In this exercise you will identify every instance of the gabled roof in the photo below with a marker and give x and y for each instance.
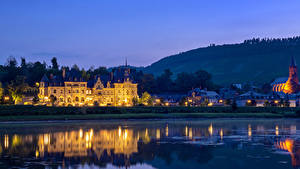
(45, 78)
(280, 80)
(199, 92)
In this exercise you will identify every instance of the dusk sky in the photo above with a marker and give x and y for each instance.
(104, 32)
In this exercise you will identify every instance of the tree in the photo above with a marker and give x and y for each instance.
(54, 63)
(1, 92)
(147, 84)
(17, 89)
(146, 99)
(135, 101)
(203, 79)
(164, 82)
(52, 99)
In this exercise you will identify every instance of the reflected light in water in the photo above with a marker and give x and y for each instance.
(6, 141)
(167, 131)
(249, 131)
(276, 131)
(190, 133)
(80, 133)
(293, 129)
(157, 134)
(210, 129)
(221, 133)
(186, 131)
(120, 131)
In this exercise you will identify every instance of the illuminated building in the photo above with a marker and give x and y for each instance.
(70, 89)
(288, 85)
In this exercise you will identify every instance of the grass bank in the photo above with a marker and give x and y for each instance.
(29, 113)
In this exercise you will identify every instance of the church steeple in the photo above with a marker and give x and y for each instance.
(293, 62)
(126, 62)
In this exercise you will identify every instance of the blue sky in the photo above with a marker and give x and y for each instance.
(104, 32)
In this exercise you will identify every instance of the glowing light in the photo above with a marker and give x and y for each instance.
(249, 130)
(210, 130)
(125, 134)
(80, 133)
(167, 104)
(186, 103)
(186, 130)
(190, 100)
(210, 104)
(190, 133)
(120, 131)
(6, 98)
(157, 134)
(221, 133)
(248, 101)
(167, 131)
(276, 131)
(6, 141)
(220, 101)
(276, 101)
(91, 133)
(46, 139)
(157, 100)
(87, 136)
(37, 153)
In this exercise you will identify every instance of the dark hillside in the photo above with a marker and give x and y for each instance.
(258, 60)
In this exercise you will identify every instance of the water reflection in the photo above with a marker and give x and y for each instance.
(206, 144)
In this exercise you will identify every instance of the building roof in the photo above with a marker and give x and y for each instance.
(199, 92)
(45, 78)
(280, 80)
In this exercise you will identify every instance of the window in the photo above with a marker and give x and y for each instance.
(69, 99)
(54, 91)
(82, 91)
(76, 99)
(61, 91)
(61, 99)
(77, 91)
(69, 91)
(82, 99)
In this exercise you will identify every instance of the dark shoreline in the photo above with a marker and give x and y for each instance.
(44, 113)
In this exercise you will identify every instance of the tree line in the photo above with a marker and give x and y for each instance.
(19, 80)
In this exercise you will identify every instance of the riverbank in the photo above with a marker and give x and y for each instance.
(143, 116)
(43, 113)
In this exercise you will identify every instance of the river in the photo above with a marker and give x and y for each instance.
(148, 144)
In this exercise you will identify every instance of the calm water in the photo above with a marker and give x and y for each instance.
(229, 143)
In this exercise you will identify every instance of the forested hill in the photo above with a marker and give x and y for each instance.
(257, 60)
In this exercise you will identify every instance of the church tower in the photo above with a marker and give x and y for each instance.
(292, 84)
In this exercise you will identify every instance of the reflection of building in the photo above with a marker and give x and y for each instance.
(290, 146)
(78, 143)
(116, 89)
(288, 85)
